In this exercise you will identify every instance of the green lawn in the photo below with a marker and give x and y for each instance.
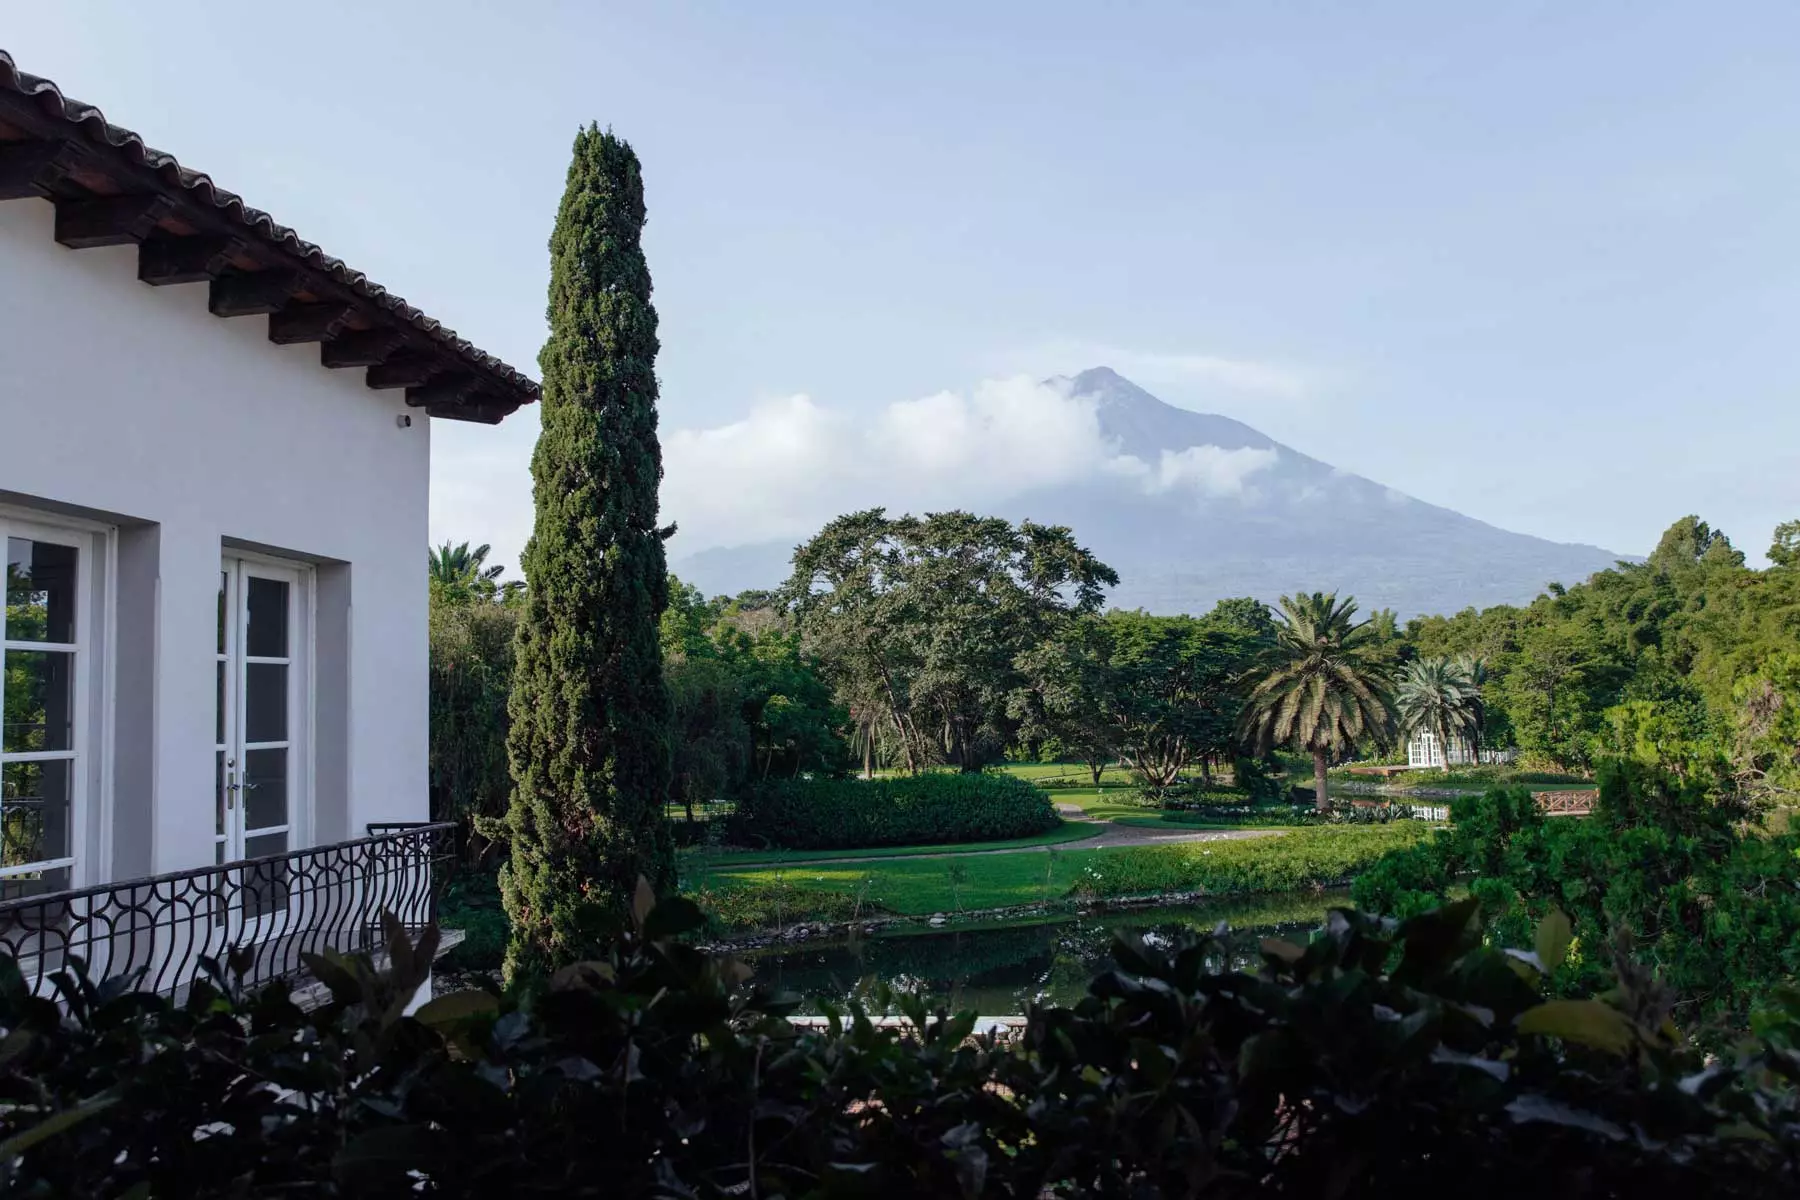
(1107, 805)
(920, 887)
(701, 857)
(1054, 777)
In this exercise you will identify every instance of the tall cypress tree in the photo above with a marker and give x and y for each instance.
(590, 760)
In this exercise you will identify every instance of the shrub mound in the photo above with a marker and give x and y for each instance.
(848, 814)
(1380, 1060)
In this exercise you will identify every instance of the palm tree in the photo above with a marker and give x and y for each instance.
(462, 569)
(1322, 694)
(1474, 670)
(1435, 696)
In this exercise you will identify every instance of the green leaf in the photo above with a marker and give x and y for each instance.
(1532, 1107)
(1586, 1021)
(586, 976)
(673, 915)
(1553, 937)
(642, 902)
(1282, 951)
(456, 1006)
(389, 1150)
(331, 971)
(52, 1125)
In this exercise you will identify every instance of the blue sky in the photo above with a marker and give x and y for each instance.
(1536, 262)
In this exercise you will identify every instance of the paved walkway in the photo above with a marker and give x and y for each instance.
(1106, 836)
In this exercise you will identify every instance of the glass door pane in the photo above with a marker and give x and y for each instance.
(42, 627)
(256, 749)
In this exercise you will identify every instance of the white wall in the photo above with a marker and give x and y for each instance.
(136, 401)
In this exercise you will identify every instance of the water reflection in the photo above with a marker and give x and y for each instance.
(999, 970)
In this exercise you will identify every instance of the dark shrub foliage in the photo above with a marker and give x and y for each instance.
(1714, 903)
(471, 674)
(655, 1072)
(830, 814)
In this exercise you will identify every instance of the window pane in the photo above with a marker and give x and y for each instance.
(34, 811)
(265, 789)
(267, 601)
(265, 702)
(266, 884)
(219, 708)
(224, 581)
(219, 792)
(40, 591)
(39, 693)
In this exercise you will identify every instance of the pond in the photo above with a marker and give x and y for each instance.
(997, 970)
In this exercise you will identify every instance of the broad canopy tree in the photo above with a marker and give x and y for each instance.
(920, 621)
(1177, 689)
(1162, 694)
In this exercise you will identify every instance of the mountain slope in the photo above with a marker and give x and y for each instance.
(1196, 507)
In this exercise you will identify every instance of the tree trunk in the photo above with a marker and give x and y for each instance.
(1206, 771)
(900, 724)
(1444, 741)
(1097, 767)
(1321, 801)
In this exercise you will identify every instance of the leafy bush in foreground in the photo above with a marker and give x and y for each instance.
(1379, 1060)
(841, 814)
(1713, 902)
(1300, 858)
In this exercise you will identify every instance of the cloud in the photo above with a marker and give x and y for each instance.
(1212, 470)
(1150, 368)
(791, 464)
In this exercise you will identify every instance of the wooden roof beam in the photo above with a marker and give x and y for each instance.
(33, 168)
(164, 259)
(251, 293)
(404, 369)
(359, 348)
(299, 323)
(109, 220)
(465, 412)
(441, 390)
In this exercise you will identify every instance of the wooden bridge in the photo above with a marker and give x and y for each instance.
(1568, 803)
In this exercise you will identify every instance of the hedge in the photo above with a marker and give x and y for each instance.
(845, 814)
(1377, 1061)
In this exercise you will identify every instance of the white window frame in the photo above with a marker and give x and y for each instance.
(91, 707)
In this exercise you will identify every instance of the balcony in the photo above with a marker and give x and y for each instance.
(278, 908)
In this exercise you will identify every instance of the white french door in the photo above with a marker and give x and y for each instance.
(258, 755)
(46, 648)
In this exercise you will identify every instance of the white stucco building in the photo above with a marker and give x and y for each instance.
(215, 444)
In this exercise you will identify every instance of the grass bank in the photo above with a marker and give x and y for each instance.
(1470, 779)
(1299, 858)
(744, 898)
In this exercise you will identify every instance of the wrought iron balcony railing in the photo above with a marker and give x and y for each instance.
(278, 907)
